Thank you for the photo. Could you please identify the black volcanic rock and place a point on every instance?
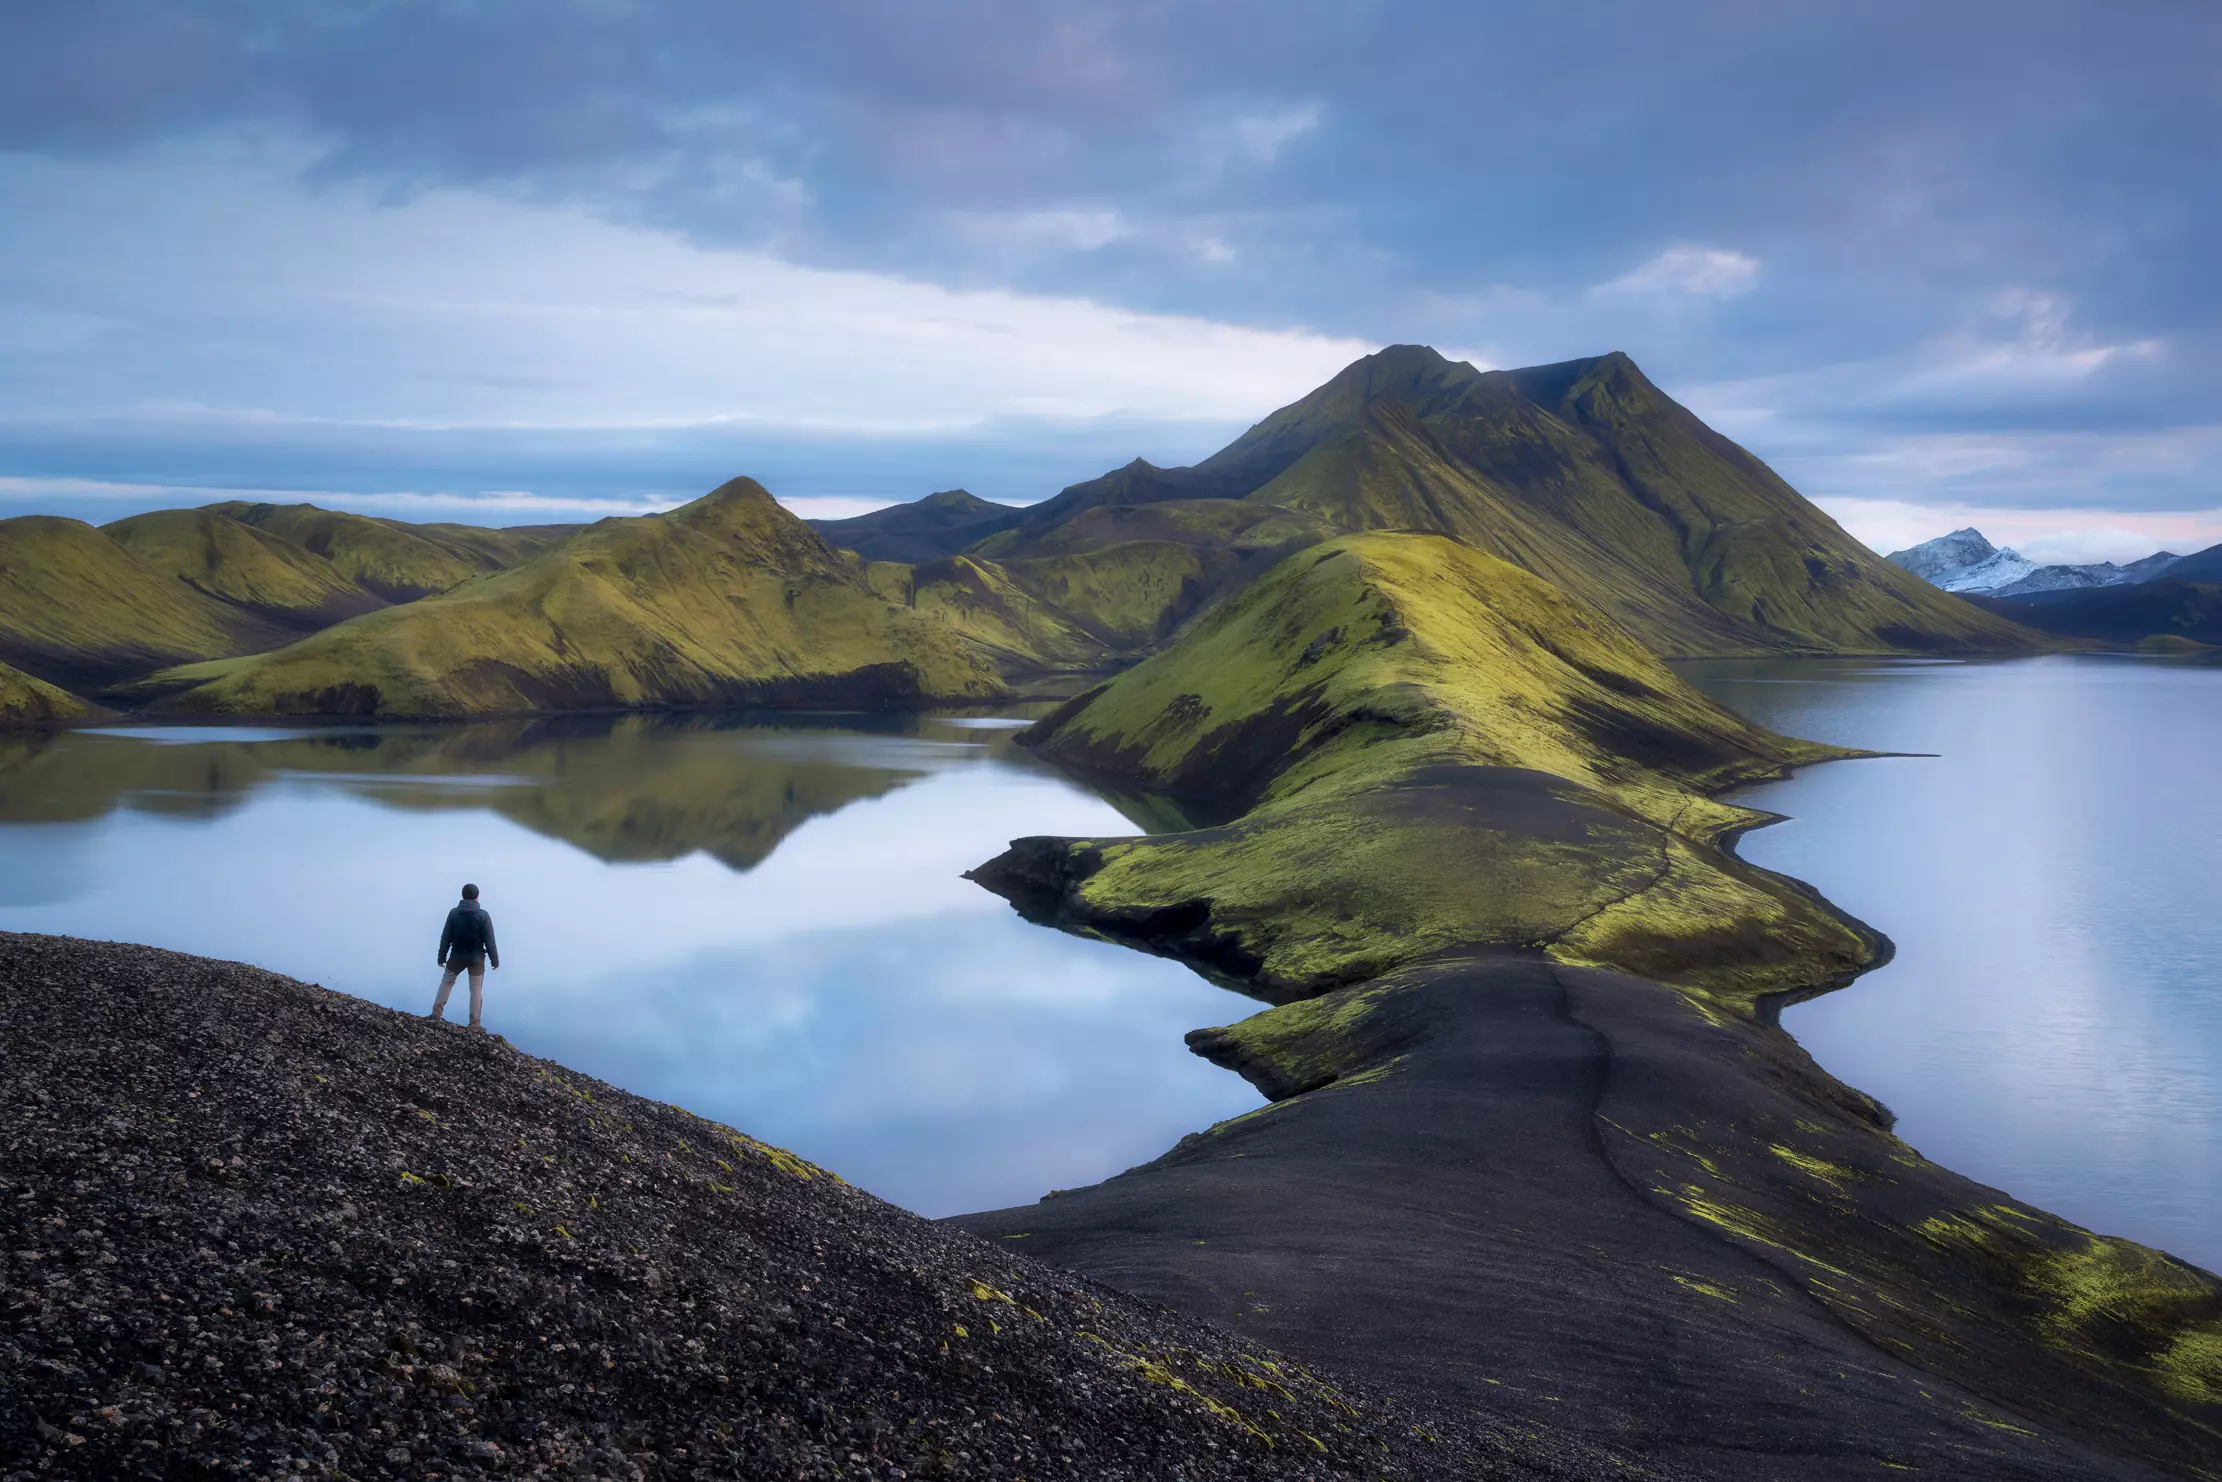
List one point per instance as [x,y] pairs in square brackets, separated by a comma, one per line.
[251,1228]
[924,530]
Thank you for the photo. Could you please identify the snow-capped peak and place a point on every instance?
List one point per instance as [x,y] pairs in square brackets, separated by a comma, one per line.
[1964,562]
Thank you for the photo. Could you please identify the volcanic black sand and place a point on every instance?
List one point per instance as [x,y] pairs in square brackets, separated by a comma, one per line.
[1568,1195]
[252,1228]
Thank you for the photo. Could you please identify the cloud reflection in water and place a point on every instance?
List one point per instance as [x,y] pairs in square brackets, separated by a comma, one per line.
[765,925]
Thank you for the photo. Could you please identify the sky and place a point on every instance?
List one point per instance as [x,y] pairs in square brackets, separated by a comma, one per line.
[460,259]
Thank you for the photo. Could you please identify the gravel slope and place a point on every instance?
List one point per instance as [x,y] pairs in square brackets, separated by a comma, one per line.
[249,1227]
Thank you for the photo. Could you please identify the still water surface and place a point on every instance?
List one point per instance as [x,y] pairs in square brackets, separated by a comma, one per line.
[763,922]
[2052,1023]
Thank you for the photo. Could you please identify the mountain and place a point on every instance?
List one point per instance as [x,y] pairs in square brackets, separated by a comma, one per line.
[2199,566]
[924,530]
[80,611]
[2065,578]
[728,601]
[1967,563]
[248,567]
[1585,474]
[2160,613]
[1963,561]
[397,561]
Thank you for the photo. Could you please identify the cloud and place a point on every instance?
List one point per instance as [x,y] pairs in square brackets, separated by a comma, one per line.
[1686,272]
[451,308]
[1938,255]
[482,506]
[2021,338]
[1259,138]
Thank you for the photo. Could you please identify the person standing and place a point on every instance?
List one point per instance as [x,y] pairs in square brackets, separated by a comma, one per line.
[467,946]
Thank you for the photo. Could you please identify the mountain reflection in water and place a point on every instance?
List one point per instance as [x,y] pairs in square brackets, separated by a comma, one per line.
[761,918]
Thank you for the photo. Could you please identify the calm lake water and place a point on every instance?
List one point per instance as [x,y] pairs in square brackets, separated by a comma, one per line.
[2052,1024]
[762,922]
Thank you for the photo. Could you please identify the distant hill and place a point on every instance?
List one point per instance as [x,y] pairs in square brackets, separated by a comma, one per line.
[924,530]
[2167,609]
[249,568]
[730,600]
[396,560]
[96,611]
[1585,474]
[80,611]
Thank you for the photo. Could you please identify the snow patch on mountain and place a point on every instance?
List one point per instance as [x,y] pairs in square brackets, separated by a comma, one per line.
[1965,561]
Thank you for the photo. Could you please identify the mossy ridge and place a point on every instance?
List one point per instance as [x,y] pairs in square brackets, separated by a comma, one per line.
[1441,752]
[248,567]
[1373,654]
[982,601]
[82,613]
[730,600]
[400,562]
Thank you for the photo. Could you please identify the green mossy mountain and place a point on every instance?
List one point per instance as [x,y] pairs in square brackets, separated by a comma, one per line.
[246,566]
[1584,473]
[396,560]
[927,529]
[1435,749]
[81,612]
[730,600]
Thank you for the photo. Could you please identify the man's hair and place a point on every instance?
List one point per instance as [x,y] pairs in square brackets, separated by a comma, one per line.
[470,892]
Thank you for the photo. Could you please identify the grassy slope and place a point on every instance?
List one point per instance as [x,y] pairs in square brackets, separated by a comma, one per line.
[242,565]
[80,611]
[1584,473]
[1406,717]
[729,600]
[397,561]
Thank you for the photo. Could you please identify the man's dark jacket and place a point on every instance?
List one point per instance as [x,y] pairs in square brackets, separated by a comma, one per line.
[469,933]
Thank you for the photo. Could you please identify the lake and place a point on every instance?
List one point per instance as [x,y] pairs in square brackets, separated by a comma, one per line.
[761,919]
[2052,1022]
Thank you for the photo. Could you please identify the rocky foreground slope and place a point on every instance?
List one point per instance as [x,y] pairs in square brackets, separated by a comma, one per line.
[251,1228]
